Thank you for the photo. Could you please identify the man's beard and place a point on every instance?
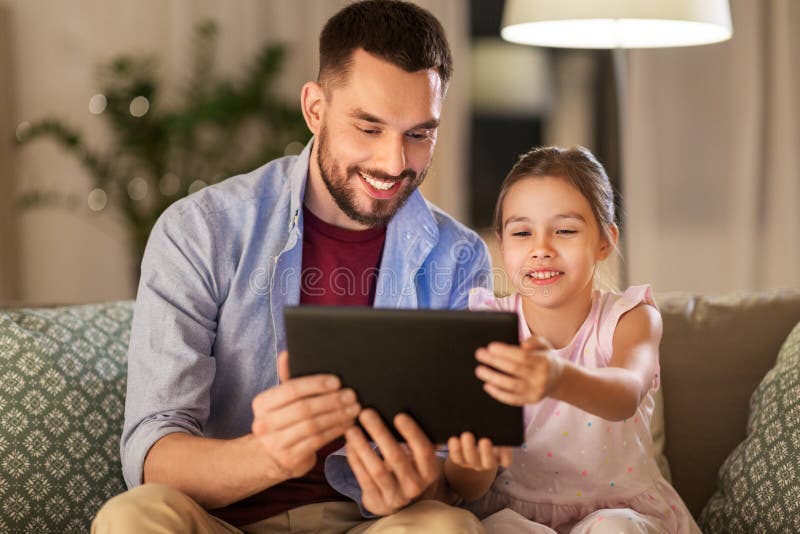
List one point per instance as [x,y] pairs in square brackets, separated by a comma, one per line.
[343,189]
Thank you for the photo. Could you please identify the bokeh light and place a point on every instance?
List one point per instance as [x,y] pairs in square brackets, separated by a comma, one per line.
[22,130]
[97,199]
[97,104]
[139,106]
[138,188]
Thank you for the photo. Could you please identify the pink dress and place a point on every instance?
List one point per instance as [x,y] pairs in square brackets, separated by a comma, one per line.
[577,470]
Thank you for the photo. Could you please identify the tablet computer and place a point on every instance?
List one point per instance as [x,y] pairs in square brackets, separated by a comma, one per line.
[421,362]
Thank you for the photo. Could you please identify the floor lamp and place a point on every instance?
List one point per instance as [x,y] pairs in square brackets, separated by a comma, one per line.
[616,25]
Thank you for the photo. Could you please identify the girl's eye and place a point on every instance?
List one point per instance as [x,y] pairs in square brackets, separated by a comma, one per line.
[566,232]
[521,233]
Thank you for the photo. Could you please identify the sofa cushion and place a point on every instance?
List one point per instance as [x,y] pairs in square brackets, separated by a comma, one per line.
[759,483]
[714,352]
[62,388]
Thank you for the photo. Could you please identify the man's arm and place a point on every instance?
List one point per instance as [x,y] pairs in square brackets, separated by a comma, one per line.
[171,370]
[291,422]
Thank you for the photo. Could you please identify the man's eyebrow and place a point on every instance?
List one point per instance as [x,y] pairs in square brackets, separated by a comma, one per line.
[360,114]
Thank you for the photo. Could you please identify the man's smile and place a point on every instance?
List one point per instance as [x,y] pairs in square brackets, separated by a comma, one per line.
[379,188]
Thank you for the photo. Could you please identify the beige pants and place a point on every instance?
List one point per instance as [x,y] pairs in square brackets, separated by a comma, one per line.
[156,508]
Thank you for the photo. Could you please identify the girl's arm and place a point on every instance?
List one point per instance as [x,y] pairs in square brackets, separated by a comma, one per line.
[532,371]
[615,392]
[470,468]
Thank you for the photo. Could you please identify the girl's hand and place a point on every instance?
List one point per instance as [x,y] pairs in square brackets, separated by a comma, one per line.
[519,375]
[481,456]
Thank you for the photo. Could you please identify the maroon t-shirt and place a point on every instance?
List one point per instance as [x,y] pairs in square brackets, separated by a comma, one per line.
[340,267]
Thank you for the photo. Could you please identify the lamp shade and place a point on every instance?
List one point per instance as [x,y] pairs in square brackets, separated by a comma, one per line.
[616,23]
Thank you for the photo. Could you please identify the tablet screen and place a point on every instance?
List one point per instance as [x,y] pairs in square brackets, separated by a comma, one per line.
[420,362]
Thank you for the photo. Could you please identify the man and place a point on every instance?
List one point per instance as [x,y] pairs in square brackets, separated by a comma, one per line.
[219,434]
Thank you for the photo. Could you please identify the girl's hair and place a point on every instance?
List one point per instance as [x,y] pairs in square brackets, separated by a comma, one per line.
[576,165]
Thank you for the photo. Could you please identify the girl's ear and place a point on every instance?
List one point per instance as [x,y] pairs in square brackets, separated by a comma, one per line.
[608,246]
[312,102]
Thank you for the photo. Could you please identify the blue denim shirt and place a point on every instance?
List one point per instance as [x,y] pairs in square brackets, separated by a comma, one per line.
[219,268]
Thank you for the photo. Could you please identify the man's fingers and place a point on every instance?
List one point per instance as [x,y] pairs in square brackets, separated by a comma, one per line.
[283,366]
[293,389]
[421,448]
[342,402]
[362,475]
[310,444]
[309,427]
[375,468]
[394,456]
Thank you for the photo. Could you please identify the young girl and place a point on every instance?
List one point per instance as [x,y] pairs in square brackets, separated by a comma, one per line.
[585,369]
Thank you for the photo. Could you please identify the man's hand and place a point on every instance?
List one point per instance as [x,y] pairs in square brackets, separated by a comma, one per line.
[294,419]
[519,375]
[405,471]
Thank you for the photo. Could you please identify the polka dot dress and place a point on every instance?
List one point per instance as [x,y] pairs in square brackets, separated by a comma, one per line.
[573,463]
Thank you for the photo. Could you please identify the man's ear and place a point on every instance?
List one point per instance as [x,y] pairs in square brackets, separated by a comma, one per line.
[312,101]
[607,247]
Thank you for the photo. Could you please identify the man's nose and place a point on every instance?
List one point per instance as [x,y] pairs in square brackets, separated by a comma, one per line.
[392,158]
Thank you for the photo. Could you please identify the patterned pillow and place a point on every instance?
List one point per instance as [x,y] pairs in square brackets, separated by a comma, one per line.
[759,484]
[62,391]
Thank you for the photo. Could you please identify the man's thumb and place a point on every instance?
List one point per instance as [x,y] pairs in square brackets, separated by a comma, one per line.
[283,366]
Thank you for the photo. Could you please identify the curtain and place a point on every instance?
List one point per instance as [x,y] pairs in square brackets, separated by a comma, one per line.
[712,157]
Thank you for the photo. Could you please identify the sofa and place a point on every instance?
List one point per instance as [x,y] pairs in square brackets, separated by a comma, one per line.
[62,388]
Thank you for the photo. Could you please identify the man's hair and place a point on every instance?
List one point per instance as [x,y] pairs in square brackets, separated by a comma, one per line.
[398,32]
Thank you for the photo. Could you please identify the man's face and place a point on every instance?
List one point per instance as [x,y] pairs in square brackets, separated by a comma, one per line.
[376,137]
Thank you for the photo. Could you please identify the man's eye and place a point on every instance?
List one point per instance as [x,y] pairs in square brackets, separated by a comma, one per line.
[368,131]
[419,136]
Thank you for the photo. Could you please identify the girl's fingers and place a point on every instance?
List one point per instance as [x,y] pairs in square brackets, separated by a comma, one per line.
[520,363]
[505,456]
[504,396]
[454,450]
[471,455]
[487,454]
[499,380]
[535,343]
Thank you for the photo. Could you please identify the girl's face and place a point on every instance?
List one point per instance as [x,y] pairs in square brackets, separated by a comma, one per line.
[550,241]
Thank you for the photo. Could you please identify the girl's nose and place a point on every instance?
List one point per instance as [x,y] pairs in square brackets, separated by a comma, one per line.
[541,249]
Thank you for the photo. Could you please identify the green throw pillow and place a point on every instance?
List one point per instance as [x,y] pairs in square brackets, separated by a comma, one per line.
[62,397]
[759,484]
